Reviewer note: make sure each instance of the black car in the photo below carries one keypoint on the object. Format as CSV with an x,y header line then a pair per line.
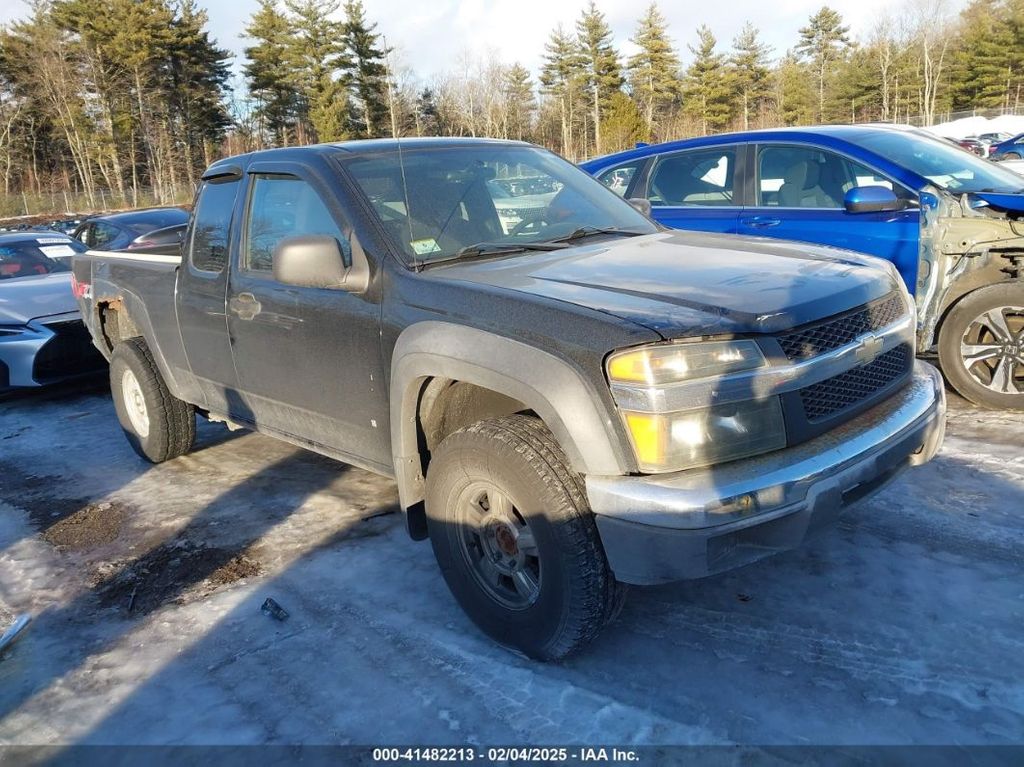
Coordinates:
x,y
118,231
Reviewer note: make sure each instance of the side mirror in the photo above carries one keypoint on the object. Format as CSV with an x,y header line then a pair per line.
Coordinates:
x,y
871,199
316,261
642,204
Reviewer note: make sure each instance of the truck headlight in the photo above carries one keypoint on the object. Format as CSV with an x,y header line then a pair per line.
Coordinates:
x,y
694,438
674,363
697,436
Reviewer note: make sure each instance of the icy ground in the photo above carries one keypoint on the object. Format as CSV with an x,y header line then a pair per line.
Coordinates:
x,y
903,625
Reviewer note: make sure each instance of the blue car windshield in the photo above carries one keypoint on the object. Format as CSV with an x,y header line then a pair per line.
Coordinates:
x,y
442,202
943,164
37,256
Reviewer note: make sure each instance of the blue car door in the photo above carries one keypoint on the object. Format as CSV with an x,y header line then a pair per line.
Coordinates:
x,y
696,189
799,193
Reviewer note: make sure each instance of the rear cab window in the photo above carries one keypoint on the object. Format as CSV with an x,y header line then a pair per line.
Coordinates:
x,y
211,225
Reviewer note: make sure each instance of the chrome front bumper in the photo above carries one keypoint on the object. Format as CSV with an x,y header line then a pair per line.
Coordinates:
x,y
694,523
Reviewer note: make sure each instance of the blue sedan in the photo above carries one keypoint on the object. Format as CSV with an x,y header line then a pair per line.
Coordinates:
x,y
1010,149
952,224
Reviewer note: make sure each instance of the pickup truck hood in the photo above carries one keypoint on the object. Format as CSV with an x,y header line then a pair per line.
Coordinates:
x,y
689,283
27,298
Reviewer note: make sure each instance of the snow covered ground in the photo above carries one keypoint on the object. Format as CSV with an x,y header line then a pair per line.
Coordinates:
x,y
901,625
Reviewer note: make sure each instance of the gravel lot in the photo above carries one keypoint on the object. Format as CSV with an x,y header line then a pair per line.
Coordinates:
x,y
901,625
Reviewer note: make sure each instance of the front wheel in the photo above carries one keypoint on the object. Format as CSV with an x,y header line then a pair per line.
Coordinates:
x,y
158,425
515,539
981,346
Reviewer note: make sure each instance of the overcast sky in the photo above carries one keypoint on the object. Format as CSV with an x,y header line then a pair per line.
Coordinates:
x,y
430,35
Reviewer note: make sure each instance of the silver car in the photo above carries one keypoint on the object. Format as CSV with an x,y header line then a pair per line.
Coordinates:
x,y
42,338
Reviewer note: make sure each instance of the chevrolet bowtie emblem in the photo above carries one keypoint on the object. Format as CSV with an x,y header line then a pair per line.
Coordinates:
x,y
868,349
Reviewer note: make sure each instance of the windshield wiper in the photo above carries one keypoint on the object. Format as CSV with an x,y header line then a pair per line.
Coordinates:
x,y
590,231
494,248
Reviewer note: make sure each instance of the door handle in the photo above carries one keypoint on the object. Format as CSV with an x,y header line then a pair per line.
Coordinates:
x,y
245,306
761,222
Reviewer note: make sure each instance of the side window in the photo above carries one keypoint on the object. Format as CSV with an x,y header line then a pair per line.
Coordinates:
x,y
102,234
806,177
619,178
699,177
211,225
282,207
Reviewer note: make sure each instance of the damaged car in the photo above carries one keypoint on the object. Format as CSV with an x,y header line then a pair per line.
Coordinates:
x,y
42,338
951,223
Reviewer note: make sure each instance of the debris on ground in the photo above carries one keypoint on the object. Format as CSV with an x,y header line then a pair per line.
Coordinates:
x,y
274,610
16,628
92,525
175,572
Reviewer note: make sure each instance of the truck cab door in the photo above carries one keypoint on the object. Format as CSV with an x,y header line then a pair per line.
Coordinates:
x,y
202,286
308,359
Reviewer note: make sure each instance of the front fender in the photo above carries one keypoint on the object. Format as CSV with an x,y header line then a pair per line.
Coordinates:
x,y
559,393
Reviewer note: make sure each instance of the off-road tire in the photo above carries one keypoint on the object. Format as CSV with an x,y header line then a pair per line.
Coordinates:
x,y
952,331
578,594
171,422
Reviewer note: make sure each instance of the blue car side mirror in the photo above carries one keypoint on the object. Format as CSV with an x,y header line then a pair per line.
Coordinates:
x,y
871,199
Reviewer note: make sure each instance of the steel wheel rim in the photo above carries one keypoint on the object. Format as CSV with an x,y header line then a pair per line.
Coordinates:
x,y
498,546
135,403
992,349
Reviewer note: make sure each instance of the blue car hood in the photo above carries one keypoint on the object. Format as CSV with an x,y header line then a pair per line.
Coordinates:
x,y
27,298
691,283
1011,203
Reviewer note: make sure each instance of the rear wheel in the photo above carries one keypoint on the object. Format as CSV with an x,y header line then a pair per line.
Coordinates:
x,y
158,425
515,539
981,346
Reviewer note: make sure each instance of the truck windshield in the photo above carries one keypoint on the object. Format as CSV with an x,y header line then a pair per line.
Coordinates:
x,y
42,255
942,163
440,203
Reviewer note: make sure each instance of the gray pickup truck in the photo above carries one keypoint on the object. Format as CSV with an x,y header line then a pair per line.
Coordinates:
x,y
569,397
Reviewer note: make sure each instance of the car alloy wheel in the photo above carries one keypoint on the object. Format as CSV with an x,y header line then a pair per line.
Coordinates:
x,y
992,349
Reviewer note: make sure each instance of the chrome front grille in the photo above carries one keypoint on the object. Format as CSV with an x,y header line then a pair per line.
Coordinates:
x,y
822,337
856,385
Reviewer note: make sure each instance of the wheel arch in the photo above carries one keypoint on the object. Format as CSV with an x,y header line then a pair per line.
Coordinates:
x,y
438,365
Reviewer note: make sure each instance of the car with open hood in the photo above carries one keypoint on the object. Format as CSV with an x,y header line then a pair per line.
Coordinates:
x,y
951,223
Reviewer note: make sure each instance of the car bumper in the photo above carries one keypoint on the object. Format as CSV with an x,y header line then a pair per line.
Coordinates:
x,y
657,529
47,350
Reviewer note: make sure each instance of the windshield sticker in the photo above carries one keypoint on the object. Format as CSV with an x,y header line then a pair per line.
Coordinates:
x,y
57,251
425,247
52,240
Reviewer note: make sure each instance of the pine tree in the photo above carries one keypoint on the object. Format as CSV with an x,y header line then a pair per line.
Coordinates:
x,y
199,75
562,77
519,101
427,123
654,70
368,81
983,66
749,72
622,124
317,57
706,89
601,62
822,43
794,94
268,75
